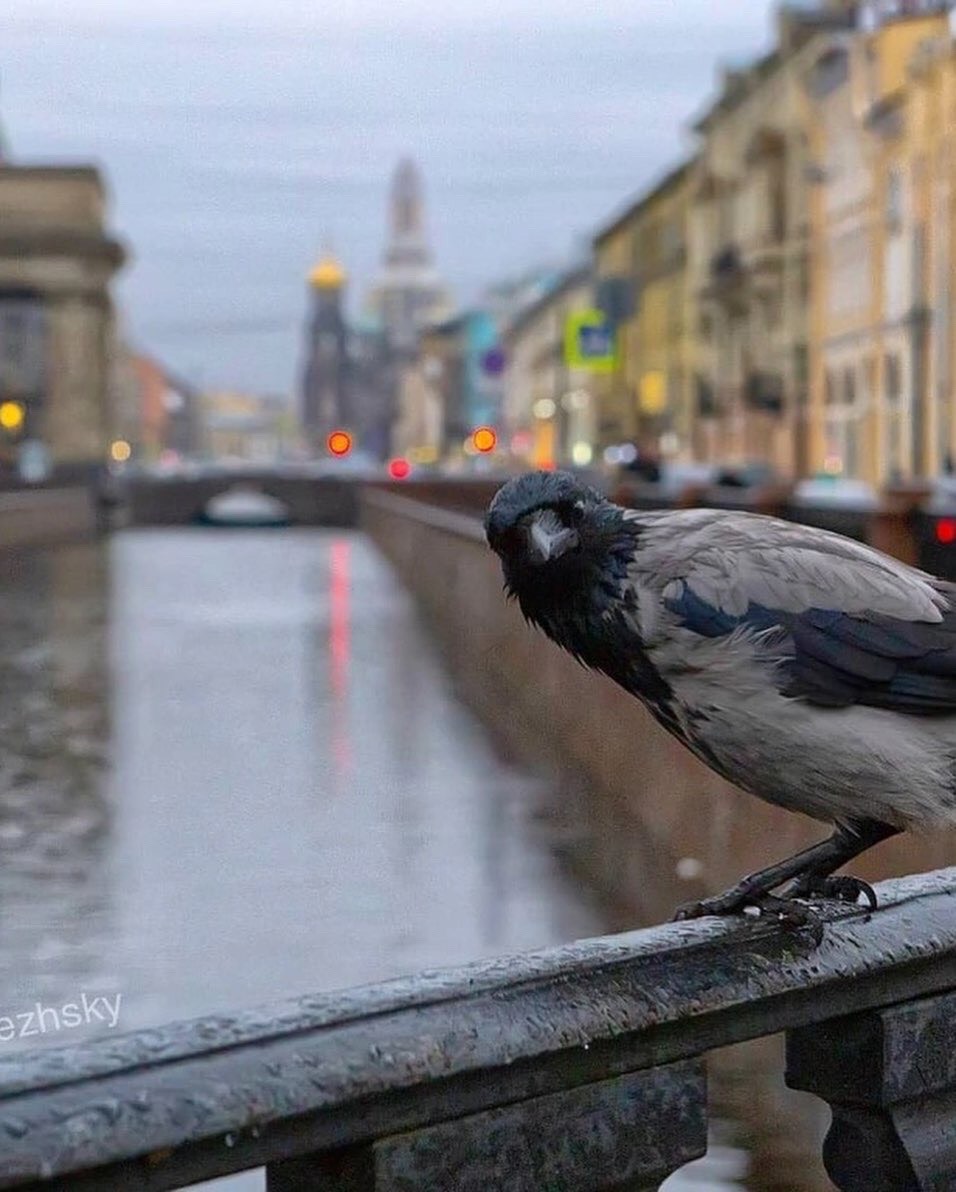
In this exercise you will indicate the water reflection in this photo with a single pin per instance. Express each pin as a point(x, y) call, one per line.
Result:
point(338, 652)
point(234, 770)
point(56, 901)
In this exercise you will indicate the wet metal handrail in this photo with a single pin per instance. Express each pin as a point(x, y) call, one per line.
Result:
point(578, 1067)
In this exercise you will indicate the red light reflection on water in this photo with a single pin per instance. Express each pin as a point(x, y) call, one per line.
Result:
point(339, 649)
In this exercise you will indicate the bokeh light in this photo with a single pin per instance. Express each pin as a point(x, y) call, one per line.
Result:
point(946, 531)
point(12, 415)
point(339, 442)
point(485, 439)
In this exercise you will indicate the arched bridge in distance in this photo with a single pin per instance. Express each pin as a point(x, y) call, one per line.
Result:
point(179, 500)
point(306, 499)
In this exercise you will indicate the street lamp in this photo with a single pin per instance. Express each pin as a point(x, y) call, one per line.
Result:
point(12, 415)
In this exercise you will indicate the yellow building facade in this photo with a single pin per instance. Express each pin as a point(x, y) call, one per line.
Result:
point(749, 256)
point(880, 346)
point(643, 283)
point(549, 411)
point(614, 394)
point(931, 141)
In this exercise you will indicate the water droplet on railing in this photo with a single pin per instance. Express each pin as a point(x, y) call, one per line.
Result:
point(15, 1127)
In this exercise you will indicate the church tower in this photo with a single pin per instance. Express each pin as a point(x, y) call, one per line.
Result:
point(409, 293)
point(324, 384)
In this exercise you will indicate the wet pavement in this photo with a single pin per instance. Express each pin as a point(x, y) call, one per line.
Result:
point(235, 771)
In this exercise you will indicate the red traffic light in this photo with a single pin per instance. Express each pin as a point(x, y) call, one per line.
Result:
point(484, 439)
point(946, 531)
point(399, 468)
point(339, 442)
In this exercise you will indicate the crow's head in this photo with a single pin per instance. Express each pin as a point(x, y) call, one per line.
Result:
point(557, 539)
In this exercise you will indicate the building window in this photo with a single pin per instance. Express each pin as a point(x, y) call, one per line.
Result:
point(671, 246)
point(23, 346)
point(894, 200)
point(869, 379)
point(892, 381)
point(849, 387)
point(778, 204)
point(893, 388)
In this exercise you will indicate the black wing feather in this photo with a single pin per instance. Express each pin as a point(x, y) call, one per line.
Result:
point(835, 659)
point(875, 660)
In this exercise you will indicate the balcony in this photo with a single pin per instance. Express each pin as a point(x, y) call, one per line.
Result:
point(727, 266)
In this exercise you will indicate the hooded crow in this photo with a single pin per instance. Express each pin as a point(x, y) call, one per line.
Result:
point(808, 669)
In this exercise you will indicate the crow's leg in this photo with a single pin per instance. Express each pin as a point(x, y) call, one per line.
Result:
point(819, 881)
point(812, 866)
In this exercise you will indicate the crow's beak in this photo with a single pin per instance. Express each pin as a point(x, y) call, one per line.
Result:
point(548, 537)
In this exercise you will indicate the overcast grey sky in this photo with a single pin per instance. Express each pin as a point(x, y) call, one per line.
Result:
point(239, 136)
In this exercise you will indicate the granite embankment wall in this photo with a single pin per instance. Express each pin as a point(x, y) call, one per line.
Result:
point(45, 516)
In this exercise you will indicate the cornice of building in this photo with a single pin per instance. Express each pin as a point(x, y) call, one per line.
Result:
point(41, 243)
point(668, 182)
point(88, 173)
point(572, 279)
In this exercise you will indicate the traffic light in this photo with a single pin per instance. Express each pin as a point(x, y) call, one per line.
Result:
point(399, 468)
point(484, 439)
point(339, 443)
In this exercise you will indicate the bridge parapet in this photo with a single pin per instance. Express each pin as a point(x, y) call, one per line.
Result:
point(183, 500)
point(576, 1069)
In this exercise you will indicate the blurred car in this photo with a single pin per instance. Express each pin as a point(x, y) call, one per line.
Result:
point(942, 497)
point(834, 491)
point(835, 503)
point(935, 524)
point(678, 477)
point(674, 481)
point(753, 474)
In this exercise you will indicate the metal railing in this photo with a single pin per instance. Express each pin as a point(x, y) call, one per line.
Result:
point(569, 1070)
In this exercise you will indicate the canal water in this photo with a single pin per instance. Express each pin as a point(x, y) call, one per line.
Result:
point(234, 771)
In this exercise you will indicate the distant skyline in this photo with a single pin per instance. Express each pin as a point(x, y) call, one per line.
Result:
point(240, 139)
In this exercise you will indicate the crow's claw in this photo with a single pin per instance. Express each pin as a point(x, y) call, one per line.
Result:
point(721, 904)
point(794, 914)
point(839, 887)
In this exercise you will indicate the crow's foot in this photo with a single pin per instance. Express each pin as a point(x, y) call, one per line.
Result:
point(734, 902)
point(839, 887)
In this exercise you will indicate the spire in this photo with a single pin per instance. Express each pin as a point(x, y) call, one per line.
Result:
point(409, 292)
point(407, 243)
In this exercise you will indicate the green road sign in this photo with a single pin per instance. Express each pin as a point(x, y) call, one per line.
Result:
point(589, 342)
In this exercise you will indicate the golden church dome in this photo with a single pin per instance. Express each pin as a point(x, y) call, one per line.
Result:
point(328, 274)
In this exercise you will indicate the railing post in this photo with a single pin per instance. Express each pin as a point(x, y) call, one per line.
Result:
point(890, 1079)
point(630, 1132)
